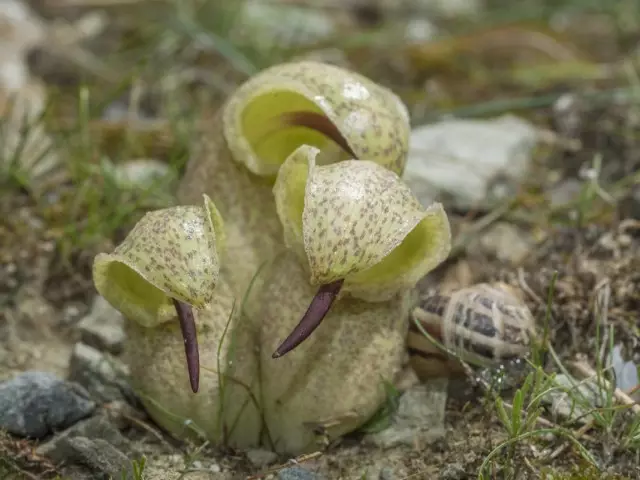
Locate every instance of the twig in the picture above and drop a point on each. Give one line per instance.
(553, 139)
(581, 432)
(541, 420)
(15, 467)
(529, 466)
(634, 390)
(526, 288)
(148, 428)
(603, 295)
(578, 434)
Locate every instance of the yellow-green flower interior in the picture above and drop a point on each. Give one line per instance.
(295, 194)
(270, 137)
(133, 295)
(420, 243)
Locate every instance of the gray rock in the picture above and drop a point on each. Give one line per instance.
(298, 473)
(626, 372)
(418, 419)
(471, 163)
(104, 376)
(98, 427)
(143, 173)
(34, 404)
(103, 327)
(101, 458)
(453, 471)
(386, 474)
(260, 458)
(574, 403)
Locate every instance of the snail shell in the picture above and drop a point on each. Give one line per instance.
(485, 325)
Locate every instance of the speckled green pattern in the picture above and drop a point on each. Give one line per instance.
(353, 219)
(156, 360)
(422, 250)
(345, 218)
(334, 378)
(244, 200)
(371, 118)
(170, 253)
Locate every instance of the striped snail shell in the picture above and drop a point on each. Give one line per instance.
(484, 325)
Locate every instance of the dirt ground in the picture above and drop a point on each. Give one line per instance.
(584, 245)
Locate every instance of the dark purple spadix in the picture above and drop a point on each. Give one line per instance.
(312, 318)
(188, 327)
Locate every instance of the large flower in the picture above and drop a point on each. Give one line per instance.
(167, 264)
(358, 228)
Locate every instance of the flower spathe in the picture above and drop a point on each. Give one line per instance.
(358, 221)
(171, 253)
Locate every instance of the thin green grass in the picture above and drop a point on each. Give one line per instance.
(173, 42)
(520, 419)
(224, 373)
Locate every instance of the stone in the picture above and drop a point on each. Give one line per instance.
(298, 473)
(386, 474)
(104, 376)
(143, 173)
(35, 404)
(103, 327)
(469, 163)
(98, 427)
(102, 459)
(260, 458)
(571, 402)
(626, 371)
(419, 418)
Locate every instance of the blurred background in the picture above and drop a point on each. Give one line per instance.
(525, 124)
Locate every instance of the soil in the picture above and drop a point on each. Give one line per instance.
(45, 289)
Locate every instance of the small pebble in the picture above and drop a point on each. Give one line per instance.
(101, 458)
(34, 404)
(104, 376)
(573, 403)
(260, 458)
(387, 474)
(470, 163)
(298, 473)
(97, 427)
(70, 314)
(419, 418)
